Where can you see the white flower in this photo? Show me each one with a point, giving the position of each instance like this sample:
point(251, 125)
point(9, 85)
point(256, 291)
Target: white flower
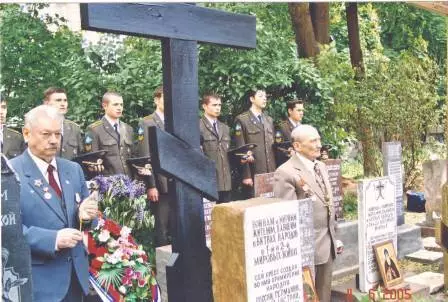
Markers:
point(100, 223)
point(139, 259)
point(125, 232)
point(122, 290)
point(112, 259)
point(112, 243)
point(104, 236)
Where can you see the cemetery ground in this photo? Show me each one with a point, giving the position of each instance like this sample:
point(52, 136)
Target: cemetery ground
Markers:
point(351, 173)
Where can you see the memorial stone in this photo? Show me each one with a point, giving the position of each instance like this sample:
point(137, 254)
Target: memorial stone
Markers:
point(208, 207)
point(377, 218)
point(392, 166)
point(264, 185)
point(307, 233)
point(434, 177)
point(335, 175)
point(257, 257)
point(16, 256)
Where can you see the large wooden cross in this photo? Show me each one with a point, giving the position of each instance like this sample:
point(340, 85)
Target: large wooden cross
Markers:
point(180, 27)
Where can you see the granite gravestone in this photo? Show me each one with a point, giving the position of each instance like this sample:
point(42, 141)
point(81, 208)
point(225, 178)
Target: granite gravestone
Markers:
point(335, 175)
point(377, 217)
point(307, 233)
point(208, 207)
point(434, 177)
point(258, 254)
point(16, 255)
point(392, 166)
point(264, 185)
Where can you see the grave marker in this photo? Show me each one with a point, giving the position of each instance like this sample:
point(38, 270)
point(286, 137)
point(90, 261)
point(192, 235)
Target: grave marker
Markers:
point(434, 177)
point(392, 166)
point(377, 217)
point(335, 177)
point(264, 185)
point(307, 233)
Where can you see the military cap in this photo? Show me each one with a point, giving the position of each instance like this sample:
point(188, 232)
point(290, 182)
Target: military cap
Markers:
point(91, 162)
point(283, 146)
point(140, 166)
point(242, 151)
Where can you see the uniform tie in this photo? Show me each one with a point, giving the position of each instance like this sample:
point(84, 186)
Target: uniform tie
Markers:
point(52, 181)
point(215, 126)
point(118, 132)
point(259, 118)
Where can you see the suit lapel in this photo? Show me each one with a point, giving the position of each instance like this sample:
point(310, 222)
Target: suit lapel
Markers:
point(34, 177)
point(123, 133)
point(255, 120)
point(291, 126)
point(309, 178)
point(66, 131)
point(109, 129)
point(220, 130)
point(67, 189)
point(209, 126)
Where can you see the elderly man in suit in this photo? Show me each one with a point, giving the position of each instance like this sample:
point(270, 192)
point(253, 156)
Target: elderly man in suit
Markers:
point(53, 200)
point(303, 176)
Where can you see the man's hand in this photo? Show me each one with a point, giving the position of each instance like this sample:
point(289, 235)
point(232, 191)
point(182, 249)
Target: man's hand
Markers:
point(153, 194)
point(339, 247)
point(88, 209)
point(67, 238)
point(248, 182)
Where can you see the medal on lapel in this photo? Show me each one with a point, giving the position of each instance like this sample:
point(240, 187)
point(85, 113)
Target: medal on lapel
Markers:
point(77, 198)
point(38, 182)
point(47, 195)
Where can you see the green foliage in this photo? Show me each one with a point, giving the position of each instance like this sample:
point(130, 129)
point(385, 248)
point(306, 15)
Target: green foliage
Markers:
point(350, 202)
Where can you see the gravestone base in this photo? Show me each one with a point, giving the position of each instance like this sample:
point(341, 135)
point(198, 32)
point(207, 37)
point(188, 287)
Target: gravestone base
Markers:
point(163, 255)
point(426, 257)
point(341, 292)
point(430, 244)
point(427, 231)
point(409, 241)
point(434, 281)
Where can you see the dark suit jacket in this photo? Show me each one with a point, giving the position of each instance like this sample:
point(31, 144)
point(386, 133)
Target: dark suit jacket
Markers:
point(252, 131)
point(158, 181)
point(215, 147)
point(286, 128)
point(42, 218)
point(13, 143)
point(286, 187)
point(104, 137)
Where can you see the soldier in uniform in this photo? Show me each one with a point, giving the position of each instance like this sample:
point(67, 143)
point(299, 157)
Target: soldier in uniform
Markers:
point(254, 126)
point(157, 186)
point(11, 140)
point(215, 142)
point(295, 115)
point(112, 135)
point(71, 139)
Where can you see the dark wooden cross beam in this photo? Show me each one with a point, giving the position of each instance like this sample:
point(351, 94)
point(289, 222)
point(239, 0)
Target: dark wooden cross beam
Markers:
point(180, 27)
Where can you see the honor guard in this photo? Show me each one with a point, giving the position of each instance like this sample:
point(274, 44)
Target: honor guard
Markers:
point(295, 115)
point(215, 142)
point(71, 139)
point(112, 135)
point(157, 186)
point(254, 126)
point(12, 142)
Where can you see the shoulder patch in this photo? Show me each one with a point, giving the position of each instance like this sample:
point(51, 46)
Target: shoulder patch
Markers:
point(14, 131)
point(237, 129)
point(148, 117)
point(72, 122)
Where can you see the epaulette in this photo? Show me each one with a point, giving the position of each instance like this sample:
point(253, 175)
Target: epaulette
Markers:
point(148, 117)
point(15, 131)
point(96, 124)
point(72, 122)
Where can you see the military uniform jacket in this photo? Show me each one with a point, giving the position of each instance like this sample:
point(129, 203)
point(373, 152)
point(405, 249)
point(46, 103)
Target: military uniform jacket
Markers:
point(285, 129)
point(248, 129)
point(101, 135)
point(71, 144)
point(215, 147)
point(292, 182)
point(155, 181)
point(13, 143)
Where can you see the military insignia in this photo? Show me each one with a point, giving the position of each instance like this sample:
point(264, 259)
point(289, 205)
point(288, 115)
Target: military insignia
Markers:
point(67, 182)
point(88, 143)
point(238, 129)
point(278, 137)
point(38, 182)
point(47, 195)
point(75, 151)
point(140, 133)
point(77, 197)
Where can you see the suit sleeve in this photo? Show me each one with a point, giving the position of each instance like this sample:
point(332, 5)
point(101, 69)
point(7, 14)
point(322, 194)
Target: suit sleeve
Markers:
point(284, 187)
point(80, 141)
point(240, 140)
point(41, 241)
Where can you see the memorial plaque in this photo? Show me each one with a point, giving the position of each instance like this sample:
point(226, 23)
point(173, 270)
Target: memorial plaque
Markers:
point(273, 252)
point(307, 233)
point(377, 218)
point(434, 177)
point(16, 256)
point(335, 175)
point(392, 166)
point(208, 207)
point(264, 185)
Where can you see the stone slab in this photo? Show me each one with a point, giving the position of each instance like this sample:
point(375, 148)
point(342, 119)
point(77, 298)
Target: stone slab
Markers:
point(408, 240)
point(163, 254)
point(427, 231)
point(430, 279)
point(430, 244)
point(427, 257)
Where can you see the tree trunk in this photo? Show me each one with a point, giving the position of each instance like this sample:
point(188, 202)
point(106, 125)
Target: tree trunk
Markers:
point(351, 10)
point(303, 29)
point(320, 17)
point(365, 134)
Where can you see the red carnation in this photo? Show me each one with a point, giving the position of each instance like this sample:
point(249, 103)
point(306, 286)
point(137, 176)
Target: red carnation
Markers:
point(96, 264)
point(112, 227)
